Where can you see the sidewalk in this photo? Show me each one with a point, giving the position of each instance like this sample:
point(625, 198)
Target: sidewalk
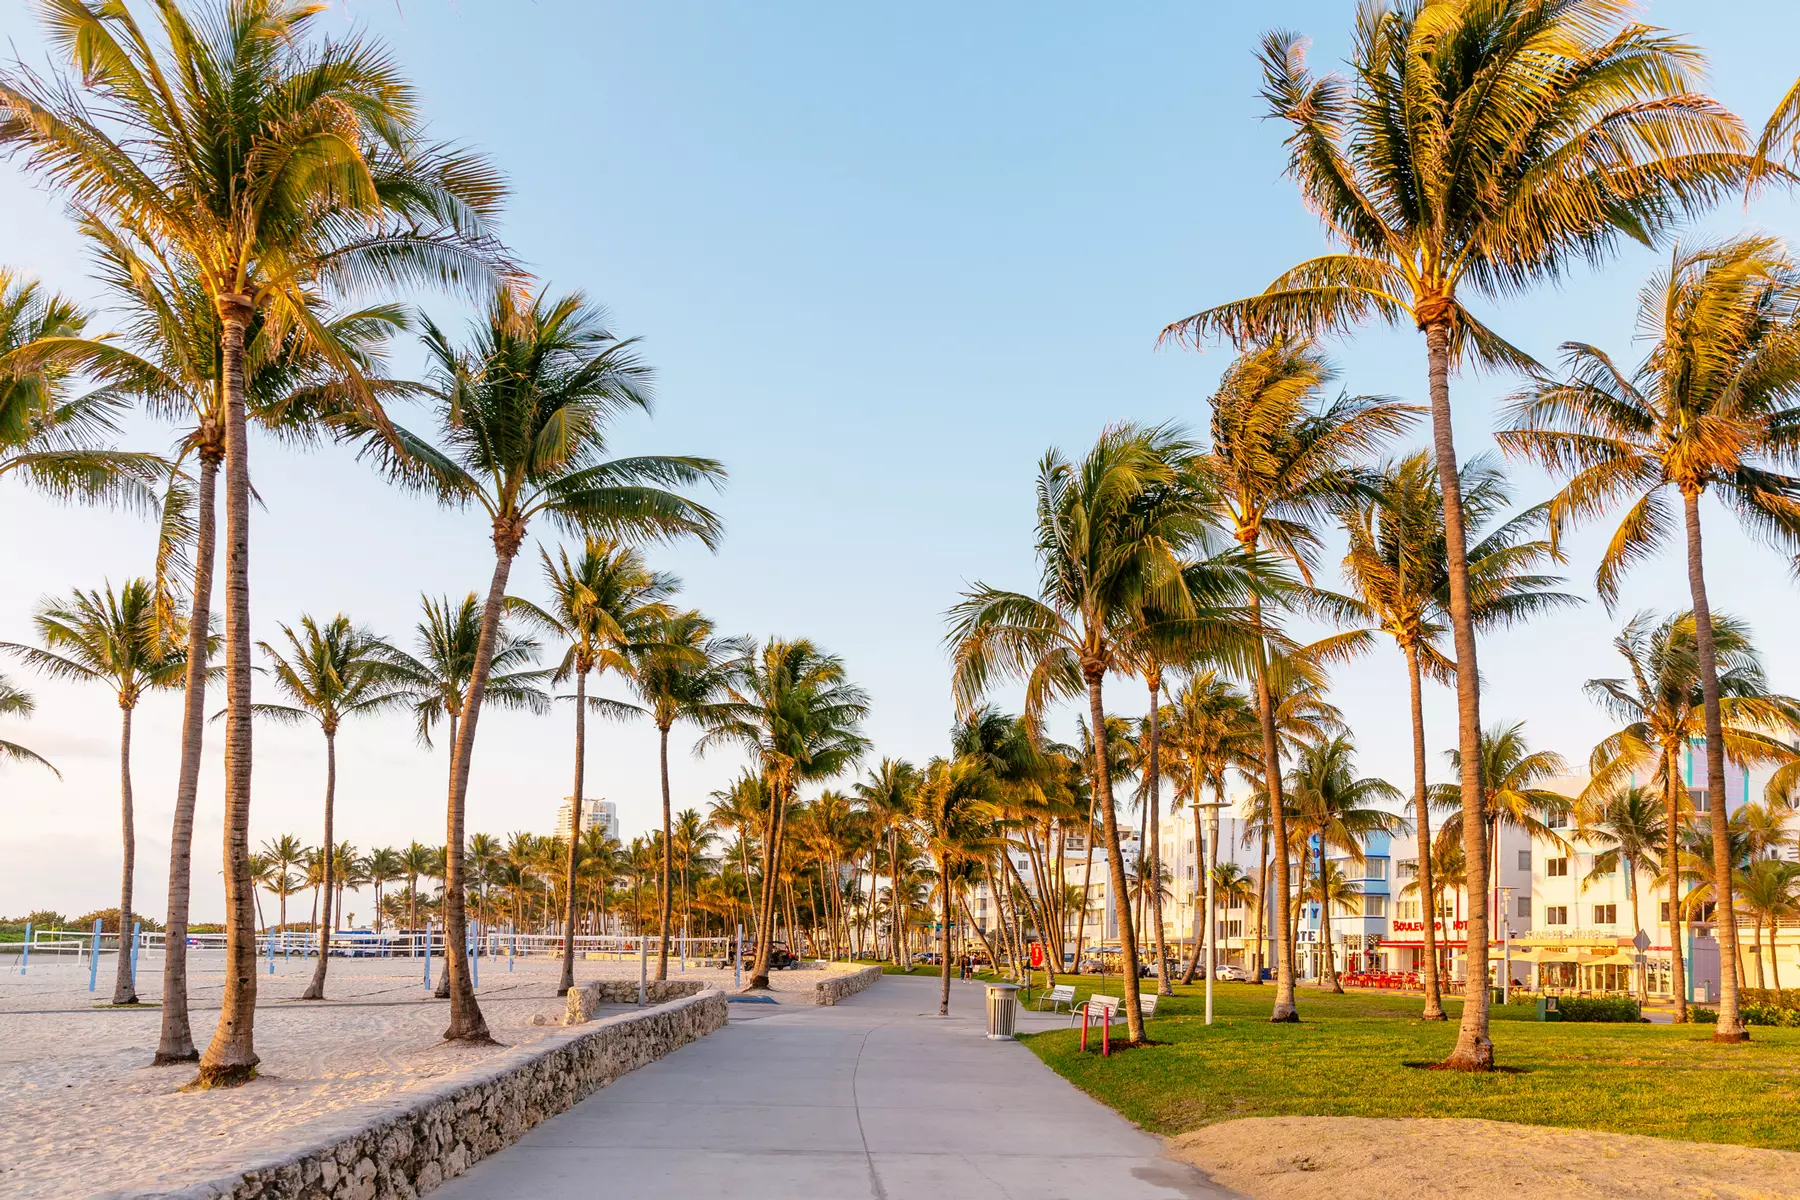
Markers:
point(877, 1097)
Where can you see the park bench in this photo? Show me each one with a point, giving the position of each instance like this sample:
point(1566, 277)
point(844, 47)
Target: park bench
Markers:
point(1062, 993)
point(1103, 1007)
point(1147, 1003)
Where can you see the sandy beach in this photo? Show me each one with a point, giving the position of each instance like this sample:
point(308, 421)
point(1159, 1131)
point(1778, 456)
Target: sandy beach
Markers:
point(1332, 1158)
point(81, 1111)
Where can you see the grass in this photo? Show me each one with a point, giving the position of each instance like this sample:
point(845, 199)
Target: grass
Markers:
point(1346, 1059)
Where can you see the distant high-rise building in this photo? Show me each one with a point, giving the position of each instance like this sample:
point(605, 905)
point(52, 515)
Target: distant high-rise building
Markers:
point(594, 811)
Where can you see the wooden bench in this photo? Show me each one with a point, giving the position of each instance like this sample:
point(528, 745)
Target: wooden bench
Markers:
point(1105, 1008)
point(1062, 993)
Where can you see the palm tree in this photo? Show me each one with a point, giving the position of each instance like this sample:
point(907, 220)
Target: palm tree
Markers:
point(1398, 566)
point(792, 708)
point(17, 702)
point(278, 165)
point(330, 672)
point(1710, 407)
point(957, 824)
point(675, 671)
point(692, 839)
point(1630, 827)
point(1478, 149)
point(1282, 462)
point(49, 439)
point(443, 662)
point(523, 415)
point(108, 638)
point(1337, 809)
point(1113, 532)
point(604, 604)
point(384, 865)
point(887, 796)
point(1770, 890)
point(1661, 710)
point(743, 808)
point(415, 860)
point(282, 855)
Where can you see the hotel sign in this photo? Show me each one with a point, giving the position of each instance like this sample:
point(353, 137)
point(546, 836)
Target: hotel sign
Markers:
point(1419, 926)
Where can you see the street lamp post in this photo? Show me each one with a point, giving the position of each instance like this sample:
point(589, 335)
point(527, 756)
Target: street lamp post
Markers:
point(1506, 945)
point(1212, 921)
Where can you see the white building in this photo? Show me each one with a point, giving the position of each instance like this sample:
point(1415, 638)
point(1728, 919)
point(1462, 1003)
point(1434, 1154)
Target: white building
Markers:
point(594, 811)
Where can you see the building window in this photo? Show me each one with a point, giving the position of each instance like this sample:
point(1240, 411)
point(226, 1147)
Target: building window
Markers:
point(1697, 798)
point(1406, 868)
point(1524, 860)
point(1558, 820)
point(1406, 910)
point(1075, 843)
point(1606, 914)
point(1556, 867)
point(1375, 906)
point(1556, 914)
point(1235, 902)
point(1522, 907)
point(1376, 868)
point(1234, 929)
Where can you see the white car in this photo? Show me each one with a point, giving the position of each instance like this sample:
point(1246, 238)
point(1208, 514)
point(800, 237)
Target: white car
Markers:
point(1231, 974)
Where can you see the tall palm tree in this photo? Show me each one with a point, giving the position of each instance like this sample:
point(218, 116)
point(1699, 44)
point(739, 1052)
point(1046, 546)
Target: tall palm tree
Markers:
point(1628, 829)
point(50, 440)
point(1398, 567)
point(110, 638)
point(958, 826)
point(1770, 890)
point(1661, 711)
point(792, 708)
point(675, 666)
point(523, 413)
point(887, 796)
point(1112, 532)
point(1282, 462)
point(1478, 149)
point(1711, 407)
point(1337, 809)
point(443, 661)
point(329, 672)
point(604, 604)
point(15, 701)
point(278, 164)
point(416, 860)
point(282, 855)
point(385, 865)
point(743, 808)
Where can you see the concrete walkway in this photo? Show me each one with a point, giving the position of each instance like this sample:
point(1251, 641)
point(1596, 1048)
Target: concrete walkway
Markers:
point(873, 1098)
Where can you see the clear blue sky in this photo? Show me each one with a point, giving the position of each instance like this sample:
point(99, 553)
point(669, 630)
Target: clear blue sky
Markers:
point(882, 258)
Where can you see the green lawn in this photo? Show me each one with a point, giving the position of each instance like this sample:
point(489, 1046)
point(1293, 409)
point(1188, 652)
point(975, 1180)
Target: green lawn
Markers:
point(1345, 1059)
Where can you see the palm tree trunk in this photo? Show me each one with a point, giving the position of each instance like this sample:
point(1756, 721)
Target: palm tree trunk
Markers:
point(568, 955)
point(1285, 1008)
point(1774, 958)
point(944, 933)
point(1115, 861)
point(1474, 1050)
point(893, 898)
point(1262, 904)
point(668, 856)
point(1434, 999)
point(1331, 979)
point(1154, 800)
point(1677, 963)
point(466, 1022)
point(230, 1058)
point(316, 989)
point(1087, 870)
point(1756, 952)
point(124, 988)
point(177, 1039)
point(1637, 927)
point(1729, 1028)
point(1200, 926)
point(765, 933)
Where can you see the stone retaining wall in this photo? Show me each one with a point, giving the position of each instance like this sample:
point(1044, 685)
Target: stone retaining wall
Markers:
point(584, 1000)
point(830, 991)
point(397, 1147)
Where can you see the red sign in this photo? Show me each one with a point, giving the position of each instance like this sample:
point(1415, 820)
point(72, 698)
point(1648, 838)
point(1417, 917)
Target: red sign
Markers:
point(1037, 954)
point(1419, 926)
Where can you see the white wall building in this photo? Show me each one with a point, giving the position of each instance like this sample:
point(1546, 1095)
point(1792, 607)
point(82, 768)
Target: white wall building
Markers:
point(594, 811)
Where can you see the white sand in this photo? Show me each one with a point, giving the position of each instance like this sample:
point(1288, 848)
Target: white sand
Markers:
point(82, 1112)
point(1335, 1158)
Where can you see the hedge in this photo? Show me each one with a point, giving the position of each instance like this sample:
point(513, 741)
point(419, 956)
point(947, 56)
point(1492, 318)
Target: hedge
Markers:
point(1585, 1008)
point(1788, 998)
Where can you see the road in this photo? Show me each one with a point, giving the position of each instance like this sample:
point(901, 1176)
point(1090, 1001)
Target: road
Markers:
point(878, 1097)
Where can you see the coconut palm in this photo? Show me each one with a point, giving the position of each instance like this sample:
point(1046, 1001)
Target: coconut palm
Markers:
point(1661, 711)
point(1211, 728)
point(743, 808)
point(443, 662)
point(282, 854)
point(1477, 149)
point(692, 840)
point(523, 415)
point(887, 796)
point(15, 701)
point(1283, 461)
point(1770, 891)
point(604, 603)
point(109, 638)
point(329, 672)
point(1627, 829)
point(1711, 407)
point(1113, 536)
point(50, 440)
point(958, 826)
point(384, 865)
point(792, 708)
point(1336, 809)
point(277, 164)
point(1398, 567)
point(675, 669)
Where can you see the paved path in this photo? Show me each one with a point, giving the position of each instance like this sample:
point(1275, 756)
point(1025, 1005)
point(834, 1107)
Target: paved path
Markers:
point(873, 1098)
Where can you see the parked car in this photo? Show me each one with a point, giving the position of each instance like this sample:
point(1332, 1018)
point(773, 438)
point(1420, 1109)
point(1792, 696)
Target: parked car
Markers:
point(780, 958)
point(1231, 973)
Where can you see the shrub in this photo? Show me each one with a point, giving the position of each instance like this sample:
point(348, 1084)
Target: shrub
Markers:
point(1770, 1014)
point(1788, 998)
point(109, 921)
point(1702, 1016)
point(1598, 1008)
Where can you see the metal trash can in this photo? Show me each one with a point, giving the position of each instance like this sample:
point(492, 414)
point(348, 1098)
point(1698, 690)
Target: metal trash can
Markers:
point(1002, 1011)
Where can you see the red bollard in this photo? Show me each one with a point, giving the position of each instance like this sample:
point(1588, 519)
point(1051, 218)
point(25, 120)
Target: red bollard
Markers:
point(1084, 1020)
point(1106, 1036)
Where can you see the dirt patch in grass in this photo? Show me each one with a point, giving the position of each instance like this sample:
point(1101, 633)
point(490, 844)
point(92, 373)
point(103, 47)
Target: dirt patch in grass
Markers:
point(1447, 1066)
point(1329, 1158)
